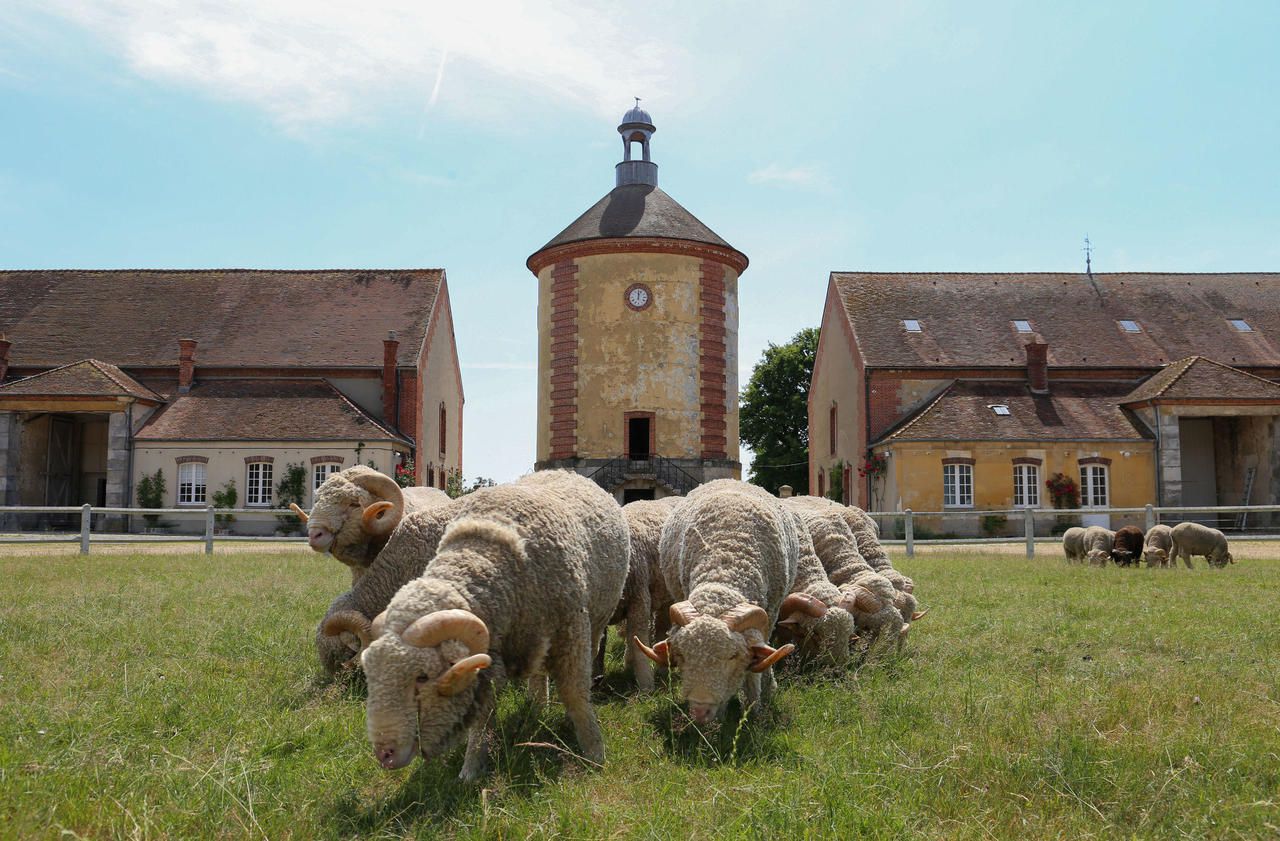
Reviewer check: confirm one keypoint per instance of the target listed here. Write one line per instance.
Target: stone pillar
(10, 448)
(1170, 458)
(118, 444)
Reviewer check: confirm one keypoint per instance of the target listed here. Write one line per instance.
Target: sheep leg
(638, 618)
(571, 671)
(597, 665)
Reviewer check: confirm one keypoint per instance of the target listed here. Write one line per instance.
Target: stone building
(971, 390)
(221, 376)
(638, 338)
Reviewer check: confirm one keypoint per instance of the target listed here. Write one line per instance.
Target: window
(257, 485)
(1241, 325)
(832, 419)
(191, 483)
(1093, 486)
(957, 485)
(442, 429)
(1026, 486)
(322, 471)
(1022, 325)
(912, 325)
(1000, 409)
(1128, 325)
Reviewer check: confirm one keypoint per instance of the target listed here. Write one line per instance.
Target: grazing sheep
(1159, 541)
(1073, 544)
(523, 584)
(1097, 544)
(347, 628)
(868, 595)
(728, 554)
(645, 593)
(355, 511)
(1126, 546)
(867, 534)
(1194, 539)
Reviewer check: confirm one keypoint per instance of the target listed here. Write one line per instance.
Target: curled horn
(861, 600)
(302, 515)
(682, 613)
(385, 489)
(919, 614)
(660, 653)
(766, 656)
(349, 620)
(802, 603)
(435, 628)
(462, 673)
(746, 617)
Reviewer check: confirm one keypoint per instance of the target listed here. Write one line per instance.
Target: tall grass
(177, 696)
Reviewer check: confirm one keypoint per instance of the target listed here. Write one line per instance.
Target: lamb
(728, 554)
(1097, 544)
(1194, 539)
(1126, 547)
(355, 511)
(523, 584)
(868, 595)
(1073, 544)
(645, 593)
(1159, 541)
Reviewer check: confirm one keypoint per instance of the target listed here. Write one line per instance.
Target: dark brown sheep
(1127, 548)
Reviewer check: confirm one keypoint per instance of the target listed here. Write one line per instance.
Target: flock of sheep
(1159, 547)
(451, 599)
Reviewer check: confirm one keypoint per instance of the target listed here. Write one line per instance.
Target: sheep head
(821, 634)
(354, 513)
(424, 682)
(1155, 557)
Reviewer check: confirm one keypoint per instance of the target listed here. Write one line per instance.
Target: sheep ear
(376, 520)
(462, 674)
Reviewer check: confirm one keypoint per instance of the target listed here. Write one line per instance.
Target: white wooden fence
(87, 536)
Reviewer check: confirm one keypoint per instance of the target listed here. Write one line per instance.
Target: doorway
(639, 436)
(635, 494)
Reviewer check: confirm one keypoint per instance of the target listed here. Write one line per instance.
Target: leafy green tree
(774, 414)
(150, 493)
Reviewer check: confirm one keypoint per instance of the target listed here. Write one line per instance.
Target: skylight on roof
(1241, 325)
(1022, 325)
(912, 325)
(1000, 409)
(1128, 325)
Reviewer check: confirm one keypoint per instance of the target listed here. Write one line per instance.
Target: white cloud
(306, 61)
(794, 176)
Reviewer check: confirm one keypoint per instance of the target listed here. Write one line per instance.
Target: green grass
(176, 696)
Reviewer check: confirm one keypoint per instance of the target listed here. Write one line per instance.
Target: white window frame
(192, 483)
(957, 484)
(1125, 322)
(1240, 325)
(1026, 485)
(1018, 325)
(320, 471)
(257, 488)
(912, 325)
(1089, 474)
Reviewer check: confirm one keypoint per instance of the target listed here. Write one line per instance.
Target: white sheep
(1097, 543)
(645, 593)
(523, 584)
(816, 615)
(867, 534)
(1156, 547)
(1196, 539)
(728, 555)
(1073, 544)
(355, 511)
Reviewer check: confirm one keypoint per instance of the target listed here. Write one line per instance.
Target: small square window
(1241, 325)
(1022, 325)
(1000, 409)
(1128, 325)
(912, 325)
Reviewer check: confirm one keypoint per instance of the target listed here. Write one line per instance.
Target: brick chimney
(5, 344)
(389, 391)
(1038, 367)
(186, 364)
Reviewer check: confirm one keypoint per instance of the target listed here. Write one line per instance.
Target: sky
(814, 137)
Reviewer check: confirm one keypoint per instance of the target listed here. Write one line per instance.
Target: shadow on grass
(738, 739)
(345, 686)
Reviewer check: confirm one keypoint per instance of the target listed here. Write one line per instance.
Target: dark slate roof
(263, 410)
(86, 378)
(241, 318)
(1198, 378)
(636, 210)
(1071, 412)
(967, 318)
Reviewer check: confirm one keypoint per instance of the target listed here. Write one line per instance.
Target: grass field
(171, 695)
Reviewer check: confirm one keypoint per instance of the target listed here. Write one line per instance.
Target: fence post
(86, 516)
(1151, 516)
(1029, 528)
(909, 532)
(208, 530)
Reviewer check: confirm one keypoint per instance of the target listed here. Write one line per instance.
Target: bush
(993, 524)
(226, 497)
(150, 493)
(291, 488)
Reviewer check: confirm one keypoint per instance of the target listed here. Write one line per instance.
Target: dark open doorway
(639, 431)
(634, 494)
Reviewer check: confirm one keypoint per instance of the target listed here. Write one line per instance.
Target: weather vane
(1088, 256)
(637, 99)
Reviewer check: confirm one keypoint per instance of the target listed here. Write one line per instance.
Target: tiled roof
(86, 378)
(636, 210)
(1197, 378)
(1070, 413)
(263, 410)
(241, 318)
(966, 319)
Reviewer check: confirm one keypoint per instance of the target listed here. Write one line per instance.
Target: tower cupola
(636, 127)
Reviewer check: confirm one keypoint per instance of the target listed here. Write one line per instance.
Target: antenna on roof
(1088, 256)
(637, 99)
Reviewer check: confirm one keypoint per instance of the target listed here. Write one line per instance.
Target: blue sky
(814, 137)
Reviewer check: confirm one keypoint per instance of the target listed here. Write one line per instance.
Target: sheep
(816, 615)
(1097, 544)
(523, 584)
(1155, 551)
(1195, 539)
(728, 555)
(1073, 544)
(868, 595)
(347, 627)
(645, 592)
(355, 511)
(1126, 546)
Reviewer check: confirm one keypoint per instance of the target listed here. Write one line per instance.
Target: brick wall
(711, 360)
(564, 360)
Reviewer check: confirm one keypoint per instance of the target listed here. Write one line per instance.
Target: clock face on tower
(639, 297)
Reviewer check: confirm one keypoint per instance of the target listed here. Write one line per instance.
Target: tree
(774, 414)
